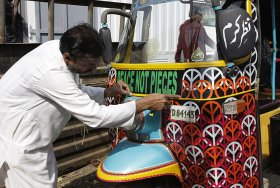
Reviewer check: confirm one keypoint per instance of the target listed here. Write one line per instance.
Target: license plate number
(182, 113)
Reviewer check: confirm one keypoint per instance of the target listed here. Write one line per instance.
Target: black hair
(82, 41)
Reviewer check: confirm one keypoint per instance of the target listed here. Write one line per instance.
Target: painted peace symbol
(251, 72)
(234, 78)
(194, 155)
(114, 100)
(192, 134)
(223, 87)
(243, 83)
(197, 174)
(174, 132)
(252, 182)
(233, 152)
(186, 89)
(191, 75)
(216, 177)
(212, 74)
(109, 101)
(214, 156)
(210, 110)
(248, 125)
(112, 76)
(250, 166)
(178, 151)
(250, 102)
(202, 89)
(234, 173)
(213, 134)
(232, 130)
(250, 146)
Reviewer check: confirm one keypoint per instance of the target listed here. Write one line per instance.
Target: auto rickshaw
(206, 52)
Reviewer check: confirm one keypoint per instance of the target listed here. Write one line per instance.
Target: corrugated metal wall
(35, 15)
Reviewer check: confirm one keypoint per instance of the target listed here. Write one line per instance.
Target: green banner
(151, 81)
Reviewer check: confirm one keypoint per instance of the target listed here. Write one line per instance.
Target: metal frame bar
(96, 3)
(90, 13)
(2, 21)
(50, 19)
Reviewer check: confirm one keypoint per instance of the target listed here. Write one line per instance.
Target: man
(192, 39)
(39, 94)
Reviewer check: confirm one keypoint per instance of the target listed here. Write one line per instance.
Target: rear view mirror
(105, 33)
(108, 49)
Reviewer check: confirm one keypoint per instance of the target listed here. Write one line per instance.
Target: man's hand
(117, 89)
(154, 102)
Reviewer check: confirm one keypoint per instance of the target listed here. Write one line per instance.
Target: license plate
(234, 107)
(182, 113)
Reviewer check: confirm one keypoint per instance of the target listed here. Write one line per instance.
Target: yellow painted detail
(117, 58)
(242, 60)
(142, 2)
(249, 7)
(130, 43)
(192, 99)
(172, 169)
(167, 66)
(265, 132)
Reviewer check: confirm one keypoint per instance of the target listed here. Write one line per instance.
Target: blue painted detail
(273, 66)
(217, 8)
(230, 64)
(104, 25)
(150, 130)
(131, 99)
(128, 157)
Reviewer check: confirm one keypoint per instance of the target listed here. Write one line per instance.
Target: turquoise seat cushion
(130, 157)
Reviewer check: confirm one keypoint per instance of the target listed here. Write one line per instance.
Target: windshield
(169, 31)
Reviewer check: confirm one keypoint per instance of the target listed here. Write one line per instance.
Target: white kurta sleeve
(59, 86)
(95, 93)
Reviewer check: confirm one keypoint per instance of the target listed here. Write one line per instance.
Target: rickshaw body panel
(133, 161)
(205, 145)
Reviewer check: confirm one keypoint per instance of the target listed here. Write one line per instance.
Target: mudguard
(130, 161)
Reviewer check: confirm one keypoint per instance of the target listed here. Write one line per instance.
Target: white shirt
(39, 94)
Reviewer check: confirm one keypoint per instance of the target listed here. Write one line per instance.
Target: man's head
(196, 14)
(81, 47)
